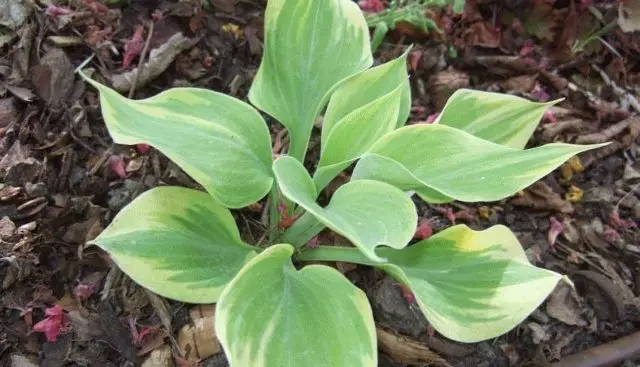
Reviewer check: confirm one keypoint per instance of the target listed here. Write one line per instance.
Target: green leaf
(497, 117)
(366, 87)
(180, 243)
(220, 141)
(368, 213)
(310, 46)
(274, 315)
(439, 161)
(471, 285)
(363, 109)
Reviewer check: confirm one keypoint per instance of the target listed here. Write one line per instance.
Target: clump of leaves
(406, 11)
(184, 244)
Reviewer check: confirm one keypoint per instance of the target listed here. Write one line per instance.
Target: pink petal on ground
(554, 230)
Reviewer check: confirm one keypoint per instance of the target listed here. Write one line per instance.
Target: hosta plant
(272, 310)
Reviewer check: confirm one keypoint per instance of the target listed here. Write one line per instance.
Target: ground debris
(158, 61)
(540, 196)
(407, 351)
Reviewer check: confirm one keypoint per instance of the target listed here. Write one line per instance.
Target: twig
(606, 134)
(617, 90)
(141, 61)
(631, 191)
(84, 63)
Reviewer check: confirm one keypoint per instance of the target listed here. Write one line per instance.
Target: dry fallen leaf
(539, 333)
(541, 196)
(8, 111)
(629, 16)
(13, 13)
(53, 78)
(565, 305)
(158, 61)
(443, 84)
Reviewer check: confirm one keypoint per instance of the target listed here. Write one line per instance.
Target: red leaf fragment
(418, 109)
(527, 48)
(286, 220)
(314, 242)
(465, 215)
(96, 6)
(414, 59)
(116, 163)
(53, 324)
(97, 36)
(157, 15)
(554, 230)
(138, 336)
(56, 11)
(549, 116)
(55, 311)
(133, 47)
(618, 223)
(142, 148)
(540, 93)
(432, 118)
(424, 230)
(611, 235)
(84, 290)
(448, 212)
(517, 26)
(207, 62)
(372, 6)
(408, 296)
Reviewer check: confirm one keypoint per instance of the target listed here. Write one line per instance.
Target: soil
(63, 179)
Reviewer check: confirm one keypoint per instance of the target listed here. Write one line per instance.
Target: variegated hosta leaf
(309, 47)
(180, 243)
(368, 213)
(471, 285)
(500, 118)
(363, 109)
(220, 141)
(273, 315)
(438, 161)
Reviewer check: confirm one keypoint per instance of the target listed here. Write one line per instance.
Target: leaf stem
(333, 253)
(298, 149)
(302, 230)
(274, 215)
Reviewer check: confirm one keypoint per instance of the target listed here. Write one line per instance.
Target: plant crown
(184, 244)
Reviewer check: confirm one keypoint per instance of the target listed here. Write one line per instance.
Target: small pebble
(7, 228)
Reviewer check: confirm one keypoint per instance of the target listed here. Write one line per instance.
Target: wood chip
(408, 351)
(198, 340)
(161, 357)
